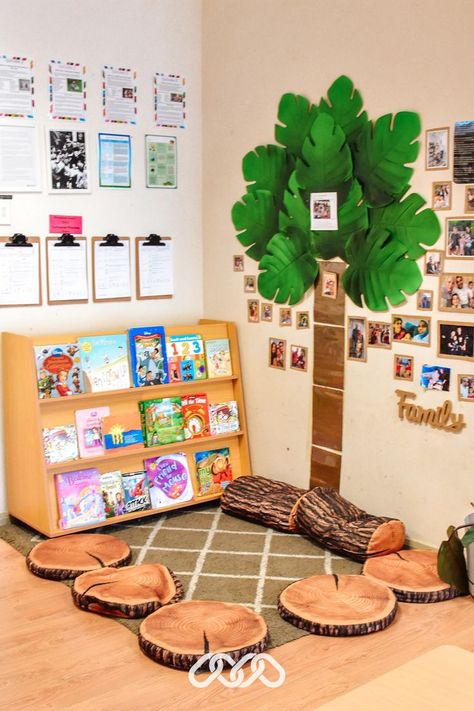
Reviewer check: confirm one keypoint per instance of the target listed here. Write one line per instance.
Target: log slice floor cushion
(339, 525)
(69, 556)
(264, 501)
(412, 575)
(338, 605)
(132, 591)
(178, 635)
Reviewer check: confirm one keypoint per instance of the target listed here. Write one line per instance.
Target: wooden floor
(53, 656)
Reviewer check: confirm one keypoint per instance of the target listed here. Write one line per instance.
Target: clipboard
(102, 288)
(8, 248)
(154, 243)
(66, 241)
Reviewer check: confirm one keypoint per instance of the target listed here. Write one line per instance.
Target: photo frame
(437, 148)
(285, 317)
(424, 300)
(266, 311)
(456, 293)
(441, 196)
(250, 284)
(302, 320)
(67, 165)
(379, 335)
(456, 340)
(411, 329)
(435, 377)
(299, 358)
(433, 262)
(403, 367)
(238, 262)
(277, 353)
(253, 311)
(469, 198)
(466, 387)
(460, 237)
(329, 285)
(356, 338)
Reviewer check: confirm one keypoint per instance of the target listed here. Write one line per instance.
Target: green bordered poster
(161, 162)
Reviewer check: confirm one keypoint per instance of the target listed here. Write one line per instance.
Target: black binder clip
(67, 240)
(18, 240)
(111, 240)
(154, 240)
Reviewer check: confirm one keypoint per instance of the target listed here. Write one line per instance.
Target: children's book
(213, 471)
(104, 361)
(224, 417)
(112, 494)
(218, 357)
(169, 480)
(90, 431)
(148, 356)
(123, 431)
(135, 488)
(186, 359)
(79, 498)
(162, 421)
(60, 444)
(58, 370)
(195, 416)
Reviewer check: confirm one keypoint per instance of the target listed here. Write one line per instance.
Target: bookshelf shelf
(31, 481)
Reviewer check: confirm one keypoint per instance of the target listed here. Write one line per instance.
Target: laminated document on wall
(20, 277)
(154, 265)
(111, 268)
(67, 269)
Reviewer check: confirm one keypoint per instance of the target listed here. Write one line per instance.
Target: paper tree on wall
(334, 147)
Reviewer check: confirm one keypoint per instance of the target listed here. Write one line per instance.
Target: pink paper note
(65, 223)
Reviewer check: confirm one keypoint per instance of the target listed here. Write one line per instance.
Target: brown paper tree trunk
(133, 591)
(338, 605)
(70, 556)
(178, 635)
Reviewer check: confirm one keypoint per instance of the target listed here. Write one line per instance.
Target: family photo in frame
(455, 340)
(411, 328)
(424, 300)
(456, 292)
(459, 237)
(435, 377)
(357, 339)
(441, 198)
(466, 387)
(379, 335)
(277, 353)
(437, 149)
(403, 367)
(298, 358)
(433, 262)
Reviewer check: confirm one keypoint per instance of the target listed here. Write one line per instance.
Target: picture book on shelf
(213, 471)
(169, 480)
(90, 431)
(79, 498)
(195, 416)
(185, 358)
(112, 494)
(58, 370)
(104, 362)
(135, 488)
(148, 355)
(162, 421)
(60, 444)
(224, 417)
(218, 357)
(122, 431)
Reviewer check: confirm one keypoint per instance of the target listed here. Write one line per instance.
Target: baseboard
(413, 543)
(4, 519)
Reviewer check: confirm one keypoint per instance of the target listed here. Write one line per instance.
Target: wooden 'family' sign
(441, 418)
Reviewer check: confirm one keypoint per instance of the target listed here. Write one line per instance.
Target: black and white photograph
(67, 162)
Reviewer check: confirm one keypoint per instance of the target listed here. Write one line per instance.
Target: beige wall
(404, 55)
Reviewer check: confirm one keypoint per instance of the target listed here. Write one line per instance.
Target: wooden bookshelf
(31, 489)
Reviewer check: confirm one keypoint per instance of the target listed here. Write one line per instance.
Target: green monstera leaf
(379, 270)
(345, 104)
(288, 268)
(326, 165)
(257, 216)
(297, 114)
(352, 217)
(411, 227)
(296, 211)
(380, 156)
(268, 168)
(451, 562)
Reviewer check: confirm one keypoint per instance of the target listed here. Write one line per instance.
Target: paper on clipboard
(155, 269)
(67, 272)
(112, 271)
(19, 275)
